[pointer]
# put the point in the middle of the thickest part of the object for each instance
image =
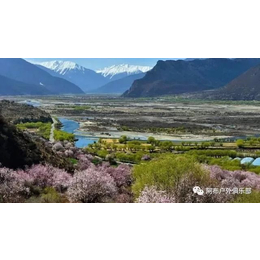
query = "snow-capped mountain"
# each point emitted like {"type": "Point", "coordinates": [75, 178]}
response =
{"type": "Point", "coordinates": [85, 78]}
{"type": "Point", "coordinates": [119, 71]}
{"type": "Point", "coordinates": [90, 80]}
{"type": "Point", "coordinates": [62, 67]}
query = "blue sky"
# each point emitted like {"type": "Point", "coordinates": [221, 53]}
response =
{"type": "Point", "coordinates": [99, 63]}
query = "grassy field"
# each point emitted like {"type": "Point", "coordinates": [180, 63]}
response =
{"type": "Point", "coordinates": [42, 129]}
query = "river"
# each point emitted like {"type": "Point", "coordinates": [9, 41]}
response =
{"type": "Point", "coordinates": [71, 126]}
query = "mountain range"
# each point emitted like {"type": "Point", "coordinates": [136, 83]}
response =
{"type": "Point", "coordinates": [19, 77]}
{"type": "Point", "coordinates": [86, 79]}
{"type": "Point", "coordinates": [91, 81]}
{"type": "Point", "coordinates": [182, 76]}
{"type": "Point", "coordinates": [244, 87]}
{"type": "Point", "coordinates": [206, 78]}
{"type": "Point", "coordinates": [13, 87]}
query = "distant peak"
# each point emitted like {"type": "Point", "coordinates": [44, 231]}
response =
{"type": "Point", "coordinates": [61, 67]}
{"type": "Point", "coordinates": [123, 68]}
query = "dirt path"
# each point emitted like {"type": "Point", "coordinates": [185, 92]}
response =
{"type": "Point", "coordinates": [52, 140]}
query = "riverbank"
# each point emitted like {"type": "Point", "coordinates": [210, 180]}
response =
{"type": "Point", "coordinates": [85, 138]}
{"type": "Point", "coordinates": [145, 136]}
{"type": "Point", "coordinates": [71, 126]}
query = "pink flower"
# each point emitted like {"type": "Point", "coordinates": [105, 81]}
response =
{"type": "Point", "coordinates": [12, 188]}
{"type": "Point", "coordinates": [91, 185]}
{"type": "Point", "coordinates": [152, 195]}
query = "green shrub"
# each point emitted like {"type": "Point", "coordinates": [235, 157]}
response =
{"type": "Point", "coordinates": [132, 157]}
{"type": "Point", "coordinates": [62, 136]}
{"type": "Point", "coordinates": [151, 140]}
{"type": "Point", "coordinates": [48, 195]}
{"type": "Point", "coordinates": [166, 172]}
{"type": "Point", "coordinates": [81, 107]}
{"type": "Point", "coordinates": [166, 145]}
{"type": "Point", "coordinates": [214, 153]}
{"type": "Point", "coordinates": [123, 139]}
{"type": "Point", "coordinates": [102, 153]}
{"type": "Point", "coordinates": [254, 197]}
{"type": "Point", "coordinates": [125, 128]}
{"type": "Point", "coordinates": [240, 143]}
{"type": "Point", "coordinates": [73, 161]}
{"type": "Point", "coordinates": [96, 161]}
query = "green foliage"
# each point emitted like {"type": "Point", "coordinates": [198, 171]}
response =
{"type": "Point", "coordinates": [62, 136]}
{"type": "Point", "coordinates": [129, 157]}
{"type": "Point", "coordinates": [73, 161]}
{"type": "Point", "coordinates": [254, 197]}
{"type": "Point", "coordinates": [166, 145]}
{"type": "Point", "coordinates": [81, 108]}
{"type": "Point", "coordinates": [240, 143]}
{"type": "Point", "coordinates": [123, 139]}
{"type": "Point", "coordinates": [58, 125]}
{"type": "Point", "coordinates": [255, 169]}
{"type": "Point", "coordinates": [214, 153]}
{"type": "Point", "coordinates": [125, 128]}
{"type": "Point", "coordinates": [50, 195]}
{"type": "Point", "coordinates": [43, 129]}
{"type": "Point", "coordinates": [102, 153]}
{"type": "Point", "coordinates": [248, 143]}
{"type": "Point", "coordinates": [165, 172]}
{"type": "Point", "coordinates": [167, 130]}
{"type": "Point", "coordinates": [151, 140]}
{"type": "Point", "coordinates": [96, 161]}
{"type": "Point", "coordinates": [134, 142]}
{"type": "Point", "coordinates": [225, 163]}
{"type": "Point", "coordinates": [182, 148]}
{"type": "Point", "coordinates": [47, 195]}
{"type": "Point", "coordinates": [205, 145]}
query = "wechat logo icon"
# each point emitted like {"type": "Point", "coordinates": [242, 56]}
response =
{"type": "Point", "coordinates": [198, 190]}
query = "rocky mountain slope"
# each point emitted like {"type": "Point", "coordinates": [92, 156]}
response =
{"type": "Point", "coordinates": [20, 70]}
{"type": "Point", "coordinates": [18, 149]}
{"type": "Point", "coordinates": [21, 113]}
{"type": "Point", "coordinates": [10, 87]}
{"type": "Point", "coordinates": [176, 77]}
{"type": "Point", "coordinates": [244, 87]}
